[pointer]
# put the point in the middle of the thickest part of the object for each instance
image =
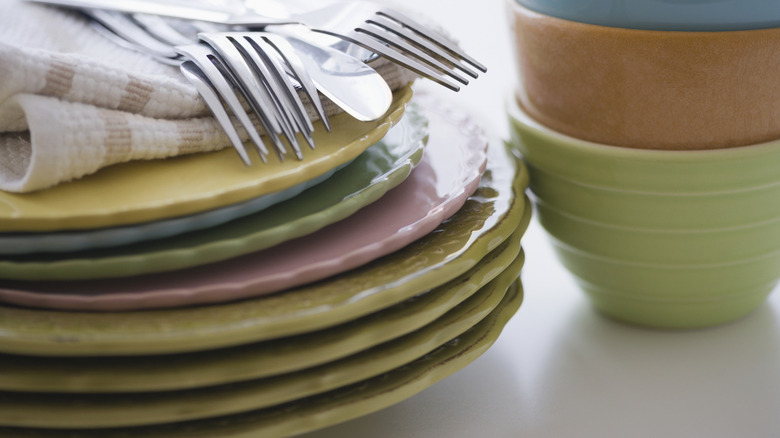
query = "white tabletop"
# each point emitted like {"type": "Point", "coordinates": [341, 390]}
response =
{"type": "Point", "coordinates": [561, 370]}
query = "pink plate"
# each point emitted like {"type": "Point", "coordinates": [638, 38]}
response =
{"type": "Point", "coordinates": [438, 187]}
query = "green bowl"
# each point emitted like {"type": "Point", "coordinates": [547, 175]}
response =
{"type": "Point", "coordinates": [670, 239]}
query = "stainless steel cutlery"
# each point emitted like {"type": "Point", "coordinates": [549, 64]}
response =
{"type": "Point", "coordinates": [271, 62]}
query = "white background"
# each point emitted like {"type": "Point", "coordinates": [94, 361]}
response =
{"type": "Point", "coordinates": [561, 370]}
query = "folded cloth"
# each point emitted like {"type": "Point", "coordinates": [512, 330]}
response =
{"type": "Point", "coordinates": [73, 102]}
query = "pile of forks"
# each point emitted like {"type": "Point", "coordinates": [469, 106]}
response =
{"type": "Point", "coordinates": [236, 55]}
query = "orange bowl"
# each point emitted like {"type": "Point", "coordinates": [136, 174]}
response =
{"type": "Point", "coordinates": [648, 89]}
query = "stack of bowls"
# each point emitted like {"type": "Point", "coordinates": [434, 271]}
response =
{"type": "Point", "coordinates": [196, 297]}
{"type": "Point", "coordinates": [651, 130]}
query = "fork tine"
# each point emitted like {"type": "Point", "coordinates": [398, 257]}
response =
{"type": "Point", "coordinates": [370, 43]}
{"type": "Point", "coordinates": [206, 90]}
{"type": "Point", "coordinates": [210, 65]}
{"type": "Point", "coordinates": [404, 47]}
{"type": "Point", "coordinates": [425, 43]}
{"type": "Point", "coordinates": [288, 94]}
{"type": "Point", "coordinates": [434, 36]}
{"type": "Point", "coordinates": [288, 53]}
{"type": "Point", "coordinates": [253, 88]}
{"type": "Point", "coordinates": [257, 82]}
{"type": "Point", "coordinates": [276, 60]}
{"type": "Point", "coordinates": [261, 61]}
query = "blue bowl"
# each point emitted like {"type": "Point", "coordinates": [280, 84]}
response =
{"type": "Point", "coordinates": [674, 15]}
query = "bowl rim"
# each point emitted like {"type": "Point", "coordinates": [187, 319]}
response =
{"type": "Point", "coordinates": [747, 17]}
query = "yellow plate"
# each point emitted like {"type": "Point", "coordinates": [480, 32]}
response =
{"type": "Point", "coordinates": [143, 191]}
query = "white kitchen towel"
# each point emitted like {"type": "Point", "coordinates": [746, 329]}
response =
{"type": "Point", "coordinates": [73, 102]}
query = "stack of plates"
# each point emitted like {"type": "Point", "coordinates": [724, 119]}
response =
{"type": "Point", "coordinates": [194, 297]}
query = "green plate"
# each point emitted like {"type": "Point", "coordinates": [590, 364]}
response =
{"type": "Point", "coordinates": [253, 361]}
{"type": "Point", "coordinates": [326, 409]}
{"type": "Point", "coordinates": [377, 170]}
{"type": "Point", "coordinates": [488, 217]}
{"type": "Point", "coordinates": [123, 410]}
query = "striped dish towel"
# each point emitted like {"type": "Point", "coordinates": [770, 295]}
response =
{"type": "Point", "coordinates": [72, 102]}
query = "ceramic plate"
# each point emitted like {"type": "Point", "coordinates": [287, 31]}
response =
{"type": "Point", "coordinates": [383, 166]}
{"type": "Point", "coordinates": [308, 309]}
{"type": "Point", "coordinates": [331, 407]}
{"type": "Point", "coordinates": [448, 173]}
{"type": "Point", "coordinates": [143, 191]}
{"type": "Point", "coordinates": [122, 410]}
{"type": "Point", "coordinates": [487, 218]}
{"type": "Point", "coordinates": [253, 361]}
{"type": "Point", "coordinates": [79, 240]}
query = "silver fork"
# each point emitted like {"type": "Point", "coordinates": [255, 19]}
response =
{"type": "Point", "coordinates": [382, 30]}
{"type": "Point", "coordinates": [395, 36]}
{"type": "Point", "coordinates": [254, 65]}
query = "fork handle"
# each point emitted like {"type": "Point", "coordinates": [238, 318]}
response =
{"type": "Point", "coordinates": [175, 9]}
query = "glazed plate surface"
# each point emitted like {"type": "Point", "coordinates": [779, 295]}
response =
{"type": "Point", "coordinates": [338, 192]}
{"type": "Point", "coordinates": [125, 410]}
{"type": "Point", "coordinates": [143, 191]}
{"type": "Point", "coordinates": [488, 217]}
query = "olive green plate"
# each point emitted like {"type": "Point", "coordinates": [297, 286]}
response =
{"type": "Point", "coordinates": [122, 410]}
{"type": "Point", "coordinates": [253, 361]}
{"type": "Point", "coordinates": [147, 190]}
{"type": "Point", "coordinates": [334, 406]}
{"type": "Point", "coordinates": [488, 217]}
{"type": "Point", "coordinates": [377, 170]}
